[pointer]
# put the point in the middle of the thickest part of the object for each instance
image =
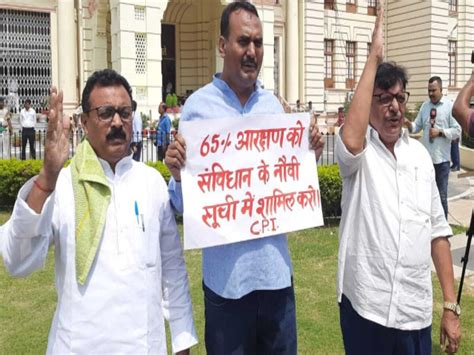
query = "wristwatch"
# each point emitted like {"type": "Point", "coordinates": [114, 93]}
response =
{"type": "Point", "coordinates": [453, 307]}
{"type": "Point", "coordinates": [440, 134]}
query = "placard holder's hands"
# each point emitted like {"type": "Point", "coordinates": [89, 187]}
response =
{"type": "Point", "coordinates": [316, 139]}
{"type": "Point", "coordinates": [56, 152]}
{"type": "Point", "coordinates": [176, 156]}
{"type": "Point", "coordinates": [450, 332]}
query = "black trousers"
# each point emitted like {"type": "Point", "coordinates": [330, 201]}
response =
{"type": "Point", "coordinates": [28, 134]}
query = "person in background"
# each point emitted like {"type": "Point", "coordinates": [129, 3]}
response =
{"type": "Point", "coordinates": [439, 130]}
{"type": "Point", "coordinates": [455, 159]}
{"type": "Point", "coordinates": [163, 130]}
{"type": "Point", "coordinates": [119, 266]}
{"type": "Point", "coordinates": [462, 111]}
{"type": "Point", "coordinates": [28, 133]}
{"type": "Point", "coordinates": [171, 97]}
{"type": "Point", "coordinates": [137, 139]}
{"type": "Point", "coordinates": [249, 299]}
{"type": "Point", "coordinates": [6, 130]}
{"type": "Point", "coordinates": [392, 222]}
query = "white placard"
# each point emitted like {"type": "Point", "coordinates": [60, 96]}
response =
{"type": "Point", "coordinates": [248, 177]}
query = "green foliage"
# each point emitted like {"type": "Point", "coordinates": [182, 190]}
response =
{"type": "Point", "coordinates": [467, 141]}
{"type": "Point", "coordinates": [411, 114]}
{"type": "Point", "coordinates": [175, 123]}
{"type": "Point", "coordinates": [145, 119]}
{"type": "Point", "coordinates": [162, 169]}
{"type": "Point", "coordinates": [13, 175]}
{"type": "Point", "coordinates": [330, 185]}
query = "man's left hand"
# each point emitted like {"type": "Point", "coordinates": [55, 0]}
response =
{"type": "Point", "coordinates": [316, 139]}
{"type": "Point", "coordinates": [434, 132]}
{"type": "Point", "coordinates": [450, 332]}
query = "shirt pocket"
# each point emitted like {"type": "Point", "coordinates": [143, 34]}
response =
{"type": "Point", "coordinates": [423, 191]}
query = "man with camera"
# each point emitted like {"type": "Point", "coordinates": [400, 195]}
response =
{"type": "Point", "coordinates": [439, 129]}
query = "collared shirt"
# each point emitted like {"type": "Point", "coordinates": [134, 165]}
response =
{"type": "Point", "coordinates": [137, 127]}
{"type": "Point", "coordinates": [163, 130]}
{"type": "Point", "coordinates": [28, 118]}
{"type": "Point", "coordinates": [440, 147]}
{"type": "Point", "coordinates": [391, 211]}
{"type": "Point", "coordinates": [234, 270]}
{"type": "Point", "coordinates": [137, 279]}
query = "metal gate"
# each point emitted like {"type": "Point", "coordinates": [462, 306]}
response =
{"type": "Point", "coordinates": [25, 57]}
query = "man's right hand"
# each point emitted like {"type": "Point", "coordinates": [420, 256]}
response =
{"type": "Point", "coordinates": [56, 152]}
{"type": "Point", "coordinates": [56, 147]}
{"type": "Point", "coordinates": [176, 156]}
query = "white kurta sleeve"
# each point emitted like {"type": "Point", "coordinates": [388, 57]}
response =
{"type": "Point", "coordinates": [26, 236]}
{"type": "Point", "coordinates": [177, 307]}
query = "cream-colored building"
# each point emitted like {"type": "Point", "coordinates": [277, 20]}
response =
{"type": "Point", "coordinates": [315, 50]}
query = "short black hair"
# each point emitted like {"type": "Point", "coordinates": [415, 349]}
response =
{"type": "Point", "coordinates": [27, 101]}
{"type": "Point", "coordinates": [438, 79]}
{"type": "Point", "coordinates": [229, 9]}
{"type": "Point", "coordinates": [103, 78]}
{"type": "Point", "coordinates": [389, 74]}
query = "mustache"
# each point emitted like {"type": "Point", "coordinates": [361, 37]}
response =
{"type": "Point", "coordinates": [250, 61]}
{"type": "Point", "coordinates": [116, 133]}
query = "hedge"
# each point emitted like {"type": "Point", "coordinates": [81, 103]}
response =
{"type": "Point", "coordinates": [14, 173]}
{"type": "Point", "coordinates": [330, 185]}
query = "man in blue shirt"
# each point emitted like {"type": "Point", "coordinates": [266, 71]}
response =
{"type": "Point", "coordinates": [137, 140]}
{"type": "Point", "coordinates": [163, 130]}
{"type": "Point", "coordinates": [248, 291]}
{"type": "Point", "coordinates": [439, 129]}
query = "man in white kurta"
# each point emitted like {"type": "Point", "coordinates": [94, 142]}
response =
{"type": "Point", "coordinates": [138, 277]}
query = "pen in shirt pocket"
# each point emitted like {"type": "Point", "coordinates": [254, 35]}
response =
{"type": "Point", "coordinates": [139, 216]}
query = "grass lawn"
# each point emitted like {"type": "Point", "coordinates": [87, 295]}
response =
{"type": "Point", "coordinates": [27, 305]}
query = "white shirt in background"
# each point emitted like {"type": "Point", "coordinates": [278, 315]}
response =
{"type": "Point", "coordinates": [28, 118]}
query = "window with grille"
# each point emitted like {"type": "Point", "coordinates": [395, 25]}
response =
{"type": "Point", "coordinates": [372, 7]}
{"type": "Point", "coordinates": [350, 59]}
{"type": "Point", "coordinates": [351, 6]}
{"type": "Point", "coordinates": [140, 53]}
{"type": "Point", "coordinates": [452, 62]}
{"type": "Point", "coordinates": [453, 6]}
{"type": "Point", "coordinates": [25, 57]}
{"type": "Point", "coordinates": [329, 4]}
{"type": "Point", "coordinates": [139, 13]}
{"type": "Point", "coordinates": [328, 63]}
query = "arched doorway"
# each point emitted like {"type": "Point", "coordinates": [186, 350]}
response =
{"type": "Point", "coordinates": [189, 38]}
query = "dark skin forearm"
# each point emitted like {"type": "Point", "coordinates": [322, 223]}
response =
{"type": "Point", "coordinates": [461, 105]}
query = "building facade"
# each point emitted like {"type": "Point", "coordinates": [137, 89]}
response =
{"type": "Point", "coordinates": [315, 50]}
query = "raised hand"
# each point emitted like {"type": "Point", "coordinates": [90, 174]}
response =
{"type": "Point", "coordinates": [377, 46]}
{"type": "Point", "coordinates": [56, 152]}
{"type": "Point", "coordinates": [56, 147]}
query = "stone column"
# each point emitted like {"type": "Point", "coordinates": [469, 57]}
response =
{"type": "Point", "coordinates": [292, 52]}
{"type": "Point", "coordinates": [67, 53]}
